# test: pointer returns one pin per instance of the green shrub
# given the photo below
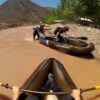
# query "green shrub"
(50, 19)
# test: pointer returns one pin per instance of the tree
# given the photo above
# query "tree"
(91, 6)
(63, 4)
(90, 9)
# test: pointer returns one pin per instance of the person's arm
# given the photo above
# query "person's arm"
(15, 92)
(76, 94)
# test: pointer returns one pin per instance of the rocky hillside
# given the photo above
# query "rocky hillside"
(21, 11)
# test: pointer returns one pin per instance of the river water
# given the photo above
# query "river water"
(20, 56)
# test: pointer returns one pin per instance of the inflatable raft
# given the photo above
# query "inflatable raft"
(38, 79)
(69, 45)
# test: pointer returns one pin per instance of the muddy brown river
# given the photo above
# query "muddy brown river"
(20, 56)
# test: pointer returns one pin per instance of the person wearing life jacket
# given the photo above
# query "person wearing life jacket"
(39, 31)
(59, 31)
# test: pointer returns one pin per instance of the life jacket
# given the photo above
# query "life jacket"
(37, 30)
(58, 30)
(42, 30)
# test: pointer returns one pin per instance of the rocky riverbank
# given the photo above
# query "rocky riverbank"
(92, 34)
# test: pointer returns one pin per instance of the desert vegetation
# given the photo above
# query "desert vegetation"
(71, 10)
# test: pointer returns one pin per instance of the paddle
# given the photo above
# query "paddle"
(90, 89)
(49, 93)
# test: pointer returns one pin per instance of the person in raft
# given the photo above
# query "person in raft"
(75, 93)
(39, 31)
(59, 31)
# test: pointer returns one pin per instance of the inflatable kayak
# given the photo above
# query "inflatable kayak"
(39, 78)
(69, 45)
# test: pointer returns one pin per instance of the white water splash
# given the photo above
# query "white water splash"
(30, 39)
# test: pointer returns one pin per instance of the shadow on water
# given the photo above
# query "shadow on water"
(4, 97)
(84, 55)
(87, 56)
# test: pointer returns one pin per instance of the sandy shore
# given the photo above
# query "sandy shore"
(20, 56)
